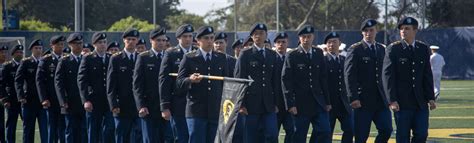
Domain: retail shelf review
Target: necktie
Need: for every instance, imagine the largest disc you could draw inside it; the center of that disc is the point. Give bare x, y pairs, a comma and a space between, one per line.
308, 55
208, 57
282, 58
336, 59
373, 50
159, 56
261, 53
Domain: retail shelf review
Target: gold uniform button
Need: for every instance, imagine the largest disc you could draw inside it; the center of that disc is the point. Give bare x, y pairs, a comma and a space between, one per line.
340, 83
311, 86
309, 67
376, 68
263, 85
376, 75
413, 85
310, 79
310, 74
208, 68
263, 72
413, 78
208, 81
413, 71
340, 89
263, 78
413, 63
340, 77
209, 88
377, 81
263, 65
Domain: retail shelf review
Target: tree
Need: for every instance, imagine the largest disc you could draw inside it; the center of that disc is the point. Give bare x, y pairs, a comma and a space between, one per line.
323, 14
450, 13
130, 22
175, 21
99, 14
36, 25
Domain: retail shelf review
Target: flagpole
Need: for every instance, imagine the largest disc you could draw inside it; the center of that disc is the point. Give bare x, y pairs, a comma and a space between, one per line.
250, 80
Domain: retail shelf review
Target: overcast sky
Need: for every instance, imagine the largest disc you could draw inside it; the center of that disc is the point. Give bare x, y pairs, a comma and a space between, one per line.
201, 7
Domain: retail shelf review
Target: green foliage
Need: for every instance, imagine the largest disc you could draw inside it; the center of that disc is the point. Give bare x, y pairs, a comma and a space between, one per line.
175, 21
131, 22
35, 25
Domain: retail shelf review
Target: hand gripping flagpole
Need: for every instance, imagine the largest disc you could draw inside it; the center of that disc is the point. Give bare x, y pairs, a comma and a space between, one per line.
211, 77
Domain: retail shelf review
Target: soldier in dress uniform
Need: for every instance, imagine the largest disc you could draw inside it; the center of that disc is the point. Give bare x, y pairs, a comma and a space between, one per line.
113, 47
91, 79
3, 51
304, 79
172, 101
47, 94
141, 46
203, 95
27, 95
237, 46
67, 91
155, 128
363, 78
87, 48
259, 103
220, 45
120, 91
284, 118
8, 92
341, 110
437, 64
408, 83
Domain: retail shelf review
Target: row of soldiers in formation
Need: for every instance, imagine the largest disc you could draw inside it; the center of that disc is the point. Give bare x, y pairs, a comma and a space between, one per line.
131, 97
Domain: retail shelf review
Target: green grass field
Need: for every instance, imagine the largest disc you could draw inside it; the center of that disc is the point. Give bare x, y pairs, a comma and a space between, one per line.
452, 121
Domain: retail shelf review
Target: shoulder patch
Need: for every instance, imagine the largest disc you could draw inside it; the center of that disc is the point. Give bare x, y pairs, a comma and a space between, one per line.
27, 58
47, 55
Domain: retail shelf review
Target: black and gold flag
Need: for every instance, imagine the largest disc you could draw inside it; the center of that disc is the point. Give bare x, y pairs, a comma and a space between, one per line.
232, 96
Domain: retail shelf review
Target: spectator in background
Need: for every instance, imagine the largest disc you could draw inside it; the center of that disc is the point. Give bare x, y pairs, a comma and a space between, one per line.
437, 64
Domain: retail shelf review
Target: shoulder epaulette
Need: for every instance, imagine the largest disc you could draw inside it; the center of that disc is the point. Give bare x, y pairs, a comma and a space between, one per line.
47, 55
356, 44
27, 58
118, 53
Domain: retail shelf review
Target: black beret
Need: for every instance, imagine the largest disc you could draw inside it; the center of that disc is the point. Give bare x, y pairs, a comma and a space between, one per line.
237, 43
114, 44
36, 42
67, 50
368, 23
141, 41
98, 36
330, 35
258, 26
220, 36
74, 37
204, 30
4, 47
131, 33
307, 29
56, 39
247, 40
16, 48
88, 46
186, 28
157, 32
281, 35
408, 21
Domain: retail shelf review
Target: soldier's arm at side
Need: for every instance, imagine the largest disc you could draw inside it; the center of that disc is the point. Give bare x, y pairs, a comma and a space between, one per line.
112, 93
19, 81
83, 80
287, 82
165, 81
41, 75
138, 82
59, 82
350, 73
3, 93
428, 78
323, 79
240, 71
388, 74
